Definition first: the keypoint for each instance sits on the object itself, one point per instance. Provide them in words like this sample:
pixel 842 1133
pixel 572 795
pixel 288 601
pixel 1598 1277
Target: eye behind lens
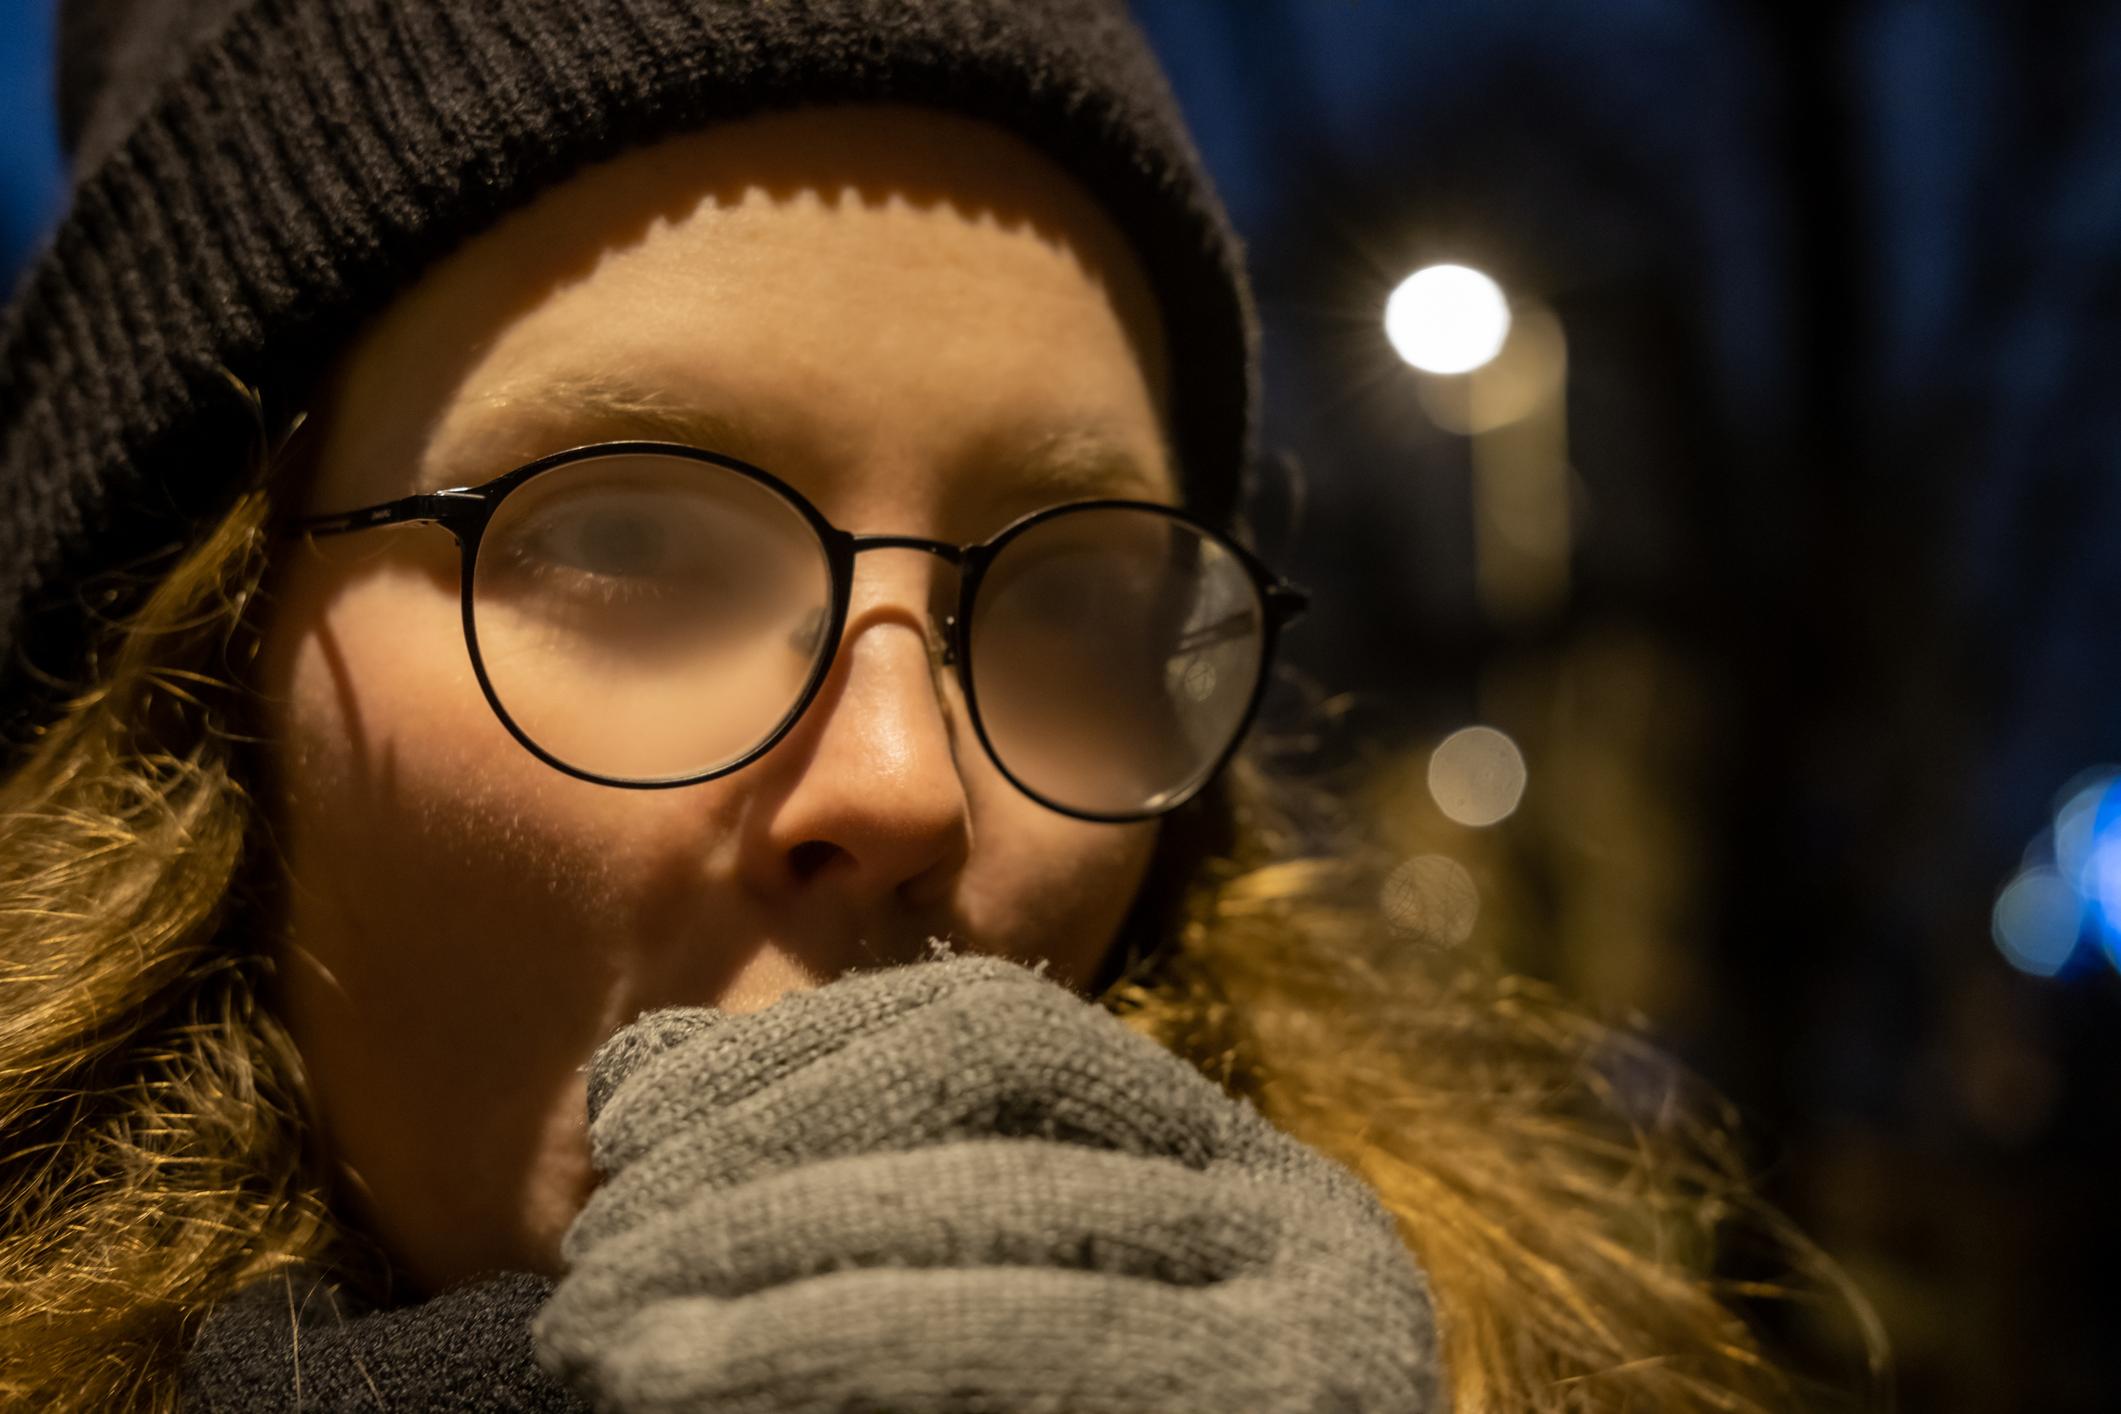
pixel 1116 654
pixel 648 618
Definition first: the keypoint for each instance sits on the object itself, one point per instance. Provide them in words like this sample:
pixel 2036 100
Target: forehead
pixel 855 298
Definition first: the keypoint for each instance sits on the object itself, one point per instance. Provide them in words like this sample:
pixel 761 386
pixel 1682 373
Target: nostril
pixel 810 856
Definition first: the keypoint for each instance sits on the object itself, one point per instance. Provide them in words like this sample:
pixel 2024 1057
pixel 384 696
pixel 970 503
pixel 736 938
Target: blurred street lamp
pixel 1497 374
pixel 1447 319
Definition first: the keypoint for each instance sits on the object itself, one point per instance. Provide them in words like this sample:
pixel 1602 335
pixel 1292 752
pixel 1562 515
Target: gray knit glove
pixel 956 1186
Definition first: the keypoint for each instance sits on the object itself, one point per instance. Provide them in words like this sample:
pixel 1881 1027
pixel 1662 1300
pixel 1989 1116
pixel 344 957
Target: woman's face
pixel 924 327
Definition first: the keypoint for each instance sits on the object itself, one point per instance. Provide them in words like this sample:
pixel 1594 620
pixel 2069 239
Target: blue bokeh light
pixel 2069 893
pixel 2099 881
pixel 2038 922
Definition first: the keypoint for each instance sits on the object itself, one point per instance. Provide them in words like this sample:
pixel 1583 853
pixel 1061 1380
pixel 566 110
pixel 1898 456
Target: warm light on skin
pixel 873 301
pixel 1447 319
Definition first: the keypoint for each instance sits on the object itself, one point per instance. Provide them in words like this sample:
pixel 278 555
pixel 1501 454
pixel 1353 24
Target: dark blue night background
pixel 1841 290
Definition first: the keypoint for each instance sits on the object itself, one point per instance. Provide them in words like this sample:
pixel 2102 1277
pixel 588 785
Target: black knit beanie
pixel 253 178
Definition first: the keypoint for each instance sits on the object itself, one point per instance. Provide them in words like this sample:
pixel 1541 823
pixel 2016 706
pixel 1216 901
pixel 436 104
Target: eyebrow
pixel 524 409
pixel 1049 461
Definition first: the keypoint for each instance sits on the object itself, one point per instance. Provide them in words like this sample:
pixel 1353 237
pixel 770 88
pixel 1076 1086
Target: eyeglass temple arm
pixel 434 506
pixel 1286 601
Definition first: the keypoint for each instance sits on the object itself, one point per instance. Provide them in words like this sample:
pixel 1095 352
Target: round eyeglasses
pixel 647 614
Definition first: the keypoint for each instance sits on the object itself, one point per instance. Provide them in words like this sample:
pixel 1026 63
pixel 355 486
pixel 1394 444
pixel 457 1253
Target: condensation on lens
pixel 644 617
pixel 1114 652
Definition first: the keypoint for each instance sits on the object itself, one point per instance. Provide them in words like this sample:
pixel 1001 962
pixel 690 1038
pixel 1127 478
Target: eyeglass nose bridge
pixel 956 554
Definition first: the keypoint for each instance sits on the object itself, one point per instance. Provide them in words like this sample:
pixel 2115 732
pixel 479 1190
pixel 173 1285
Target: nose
pixel 864 795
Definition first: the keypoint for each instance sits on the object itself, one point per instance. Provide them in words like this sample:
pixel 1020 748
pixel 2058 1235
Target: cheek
pixel 388 756
pixel 1048 886
pixel 443 873
pixel 433 965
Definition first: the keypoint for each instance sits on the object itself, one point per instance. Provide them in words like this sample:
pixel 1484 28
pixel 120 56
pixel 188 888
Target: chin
pixel 550 1198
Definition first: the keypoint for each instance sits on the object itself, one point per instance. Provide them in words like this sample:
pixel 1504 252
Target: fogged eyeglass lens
pixel 645 617
pixel 1114 653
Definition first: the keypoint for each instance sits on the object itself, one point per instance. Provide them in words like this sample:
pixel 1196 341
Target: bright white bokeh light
pixel 2036 922
pixel 1476 775
pixel 1447 319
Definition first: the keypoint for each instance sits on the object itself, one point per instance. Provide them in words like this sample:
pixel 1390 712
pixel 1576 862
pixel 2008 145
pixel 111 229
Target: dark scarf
pixel 295 1340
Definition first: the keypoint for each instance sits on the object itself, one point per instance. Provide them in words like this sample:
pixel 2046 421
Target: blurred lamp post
pixel 1497 376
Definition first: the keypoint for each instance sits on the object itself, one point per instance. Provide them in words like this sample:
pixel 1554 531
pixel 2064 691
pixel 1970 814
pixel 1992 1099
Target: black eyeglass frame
pixel 466 511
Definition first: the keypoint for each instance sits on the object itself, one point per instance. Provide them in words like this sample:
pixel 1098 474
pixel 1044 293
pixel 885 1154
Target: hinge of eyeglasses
pixel 409 510
pixel 430 506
